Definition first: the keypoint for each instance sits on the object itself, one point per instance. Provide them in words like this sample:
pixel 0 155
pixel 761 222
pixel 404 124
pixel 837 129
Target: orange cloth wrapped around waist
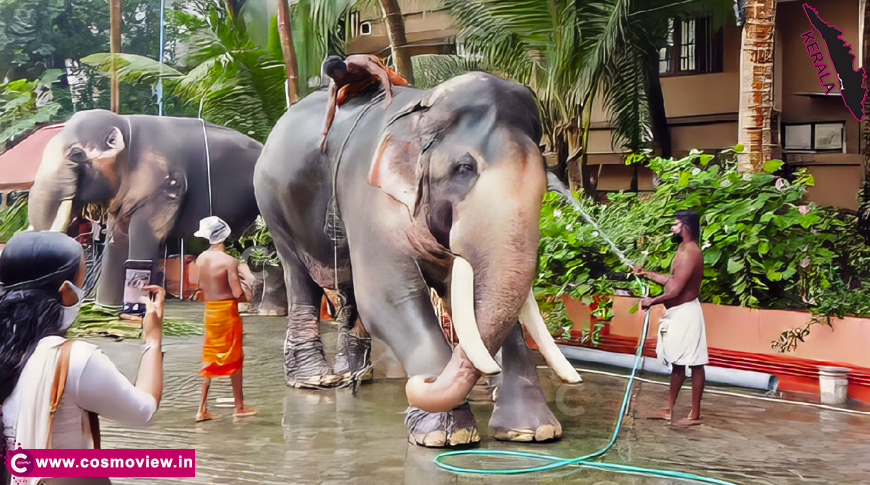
pixel 222 349
pixel 348 91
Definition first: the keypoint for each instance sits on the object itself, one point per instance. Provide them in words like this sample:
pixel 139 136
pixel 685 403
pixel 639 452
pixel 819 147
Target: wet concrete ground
pixel 333 436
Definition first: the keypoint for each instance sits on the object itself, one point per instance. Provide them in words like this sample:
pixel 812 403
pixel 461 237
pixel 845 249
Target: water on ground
pixel 334 436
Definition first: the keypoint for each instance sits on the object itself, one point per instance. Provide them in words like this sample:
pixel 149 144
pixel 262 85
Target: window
pixel 691 47
pixel 814 136
pixel 365 28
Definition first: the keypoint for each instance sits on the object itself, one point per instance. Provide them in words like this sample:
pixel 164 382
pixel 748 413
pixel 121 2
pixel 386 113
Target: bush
pixel 764 247
pixel 13 219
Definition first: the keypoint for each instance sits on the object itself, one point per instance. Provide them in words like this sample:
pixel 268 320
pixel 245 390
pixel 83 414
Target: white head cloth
pixel 214 229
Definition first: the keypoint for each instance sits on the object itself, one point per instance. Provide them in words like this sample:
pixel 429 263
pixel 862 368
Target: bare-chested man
pixel 221 289
pixel 682 340
pixel 352 75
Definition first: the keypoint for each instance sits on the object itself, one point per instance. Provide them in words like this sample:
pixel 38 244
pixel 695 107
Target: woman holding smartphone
pixel 40 278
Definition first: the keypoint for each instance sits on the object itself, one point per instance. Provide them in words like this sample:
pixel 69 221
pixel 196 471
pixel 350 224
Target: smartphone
pixel 137 277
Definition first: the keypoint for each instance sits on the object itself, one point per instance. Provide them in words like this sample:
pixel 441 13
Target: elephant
pixel 158 177
pixel 442 190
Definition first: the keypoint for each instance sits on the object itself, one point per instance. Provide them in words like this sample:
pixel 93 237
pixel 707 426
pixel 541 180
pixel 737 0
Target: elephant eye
pixel 463 166
pixel 112 140
pixel 77 155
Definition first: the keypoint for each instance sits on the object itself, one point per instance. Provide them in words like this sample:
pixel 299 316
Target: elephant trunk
pixel 46 211
pixel 49 205
pixel 498 237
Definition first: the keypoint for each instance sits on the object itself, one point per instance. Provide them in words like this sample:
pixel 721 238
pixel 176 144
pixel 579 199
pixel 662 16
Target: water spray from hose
pixel 556 185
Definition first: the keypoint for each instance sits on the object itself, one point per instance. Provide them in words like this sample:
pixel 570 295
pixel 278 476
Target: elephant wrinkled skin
pixel 158 175
pixel 442 190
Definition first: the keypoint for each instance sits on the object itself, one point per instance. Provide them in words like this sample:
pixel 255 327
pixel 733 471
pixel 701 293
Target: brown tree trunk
pixel 656 99
pixel 231 8
pixel 398 43
pixel 864 14
pixel 287 49
pixel 756 85
pixel 114 48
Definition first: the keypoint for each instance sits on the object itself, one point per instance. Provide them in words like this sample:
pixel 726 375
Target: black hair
pixel 691 220
pixel 332 64
pixel 33 266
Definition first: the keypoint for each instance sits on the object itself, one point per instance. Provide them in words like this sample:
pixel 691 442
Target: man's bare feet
pixel 689 421
pixel 244 411
pixel 203 416
pixel 661 414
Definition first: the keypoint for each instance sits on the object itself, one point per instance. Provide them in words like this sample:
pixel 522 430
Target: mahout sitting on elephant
pixel 441 190
pixel 158 176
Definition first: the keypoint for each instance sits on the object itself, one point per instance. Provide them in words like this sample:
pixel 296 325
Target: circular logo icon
pixel 566 402
pixel 21 463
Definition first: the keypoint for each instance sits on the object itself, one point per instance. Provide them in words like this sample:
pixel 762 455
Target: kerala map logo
pixel 852 83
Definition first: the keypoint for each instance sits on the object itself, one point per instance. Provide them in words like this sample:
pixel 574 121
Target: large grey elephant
pixel 158 175
pixel 441 189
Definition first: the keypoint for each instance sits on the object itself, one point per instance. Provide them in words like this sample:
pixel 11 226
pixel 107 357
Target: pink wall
pixel 747 330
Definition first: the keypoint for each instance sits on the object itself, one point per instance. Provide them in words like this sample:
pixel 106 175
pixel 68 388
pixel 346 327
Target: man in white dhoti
pixel 681 338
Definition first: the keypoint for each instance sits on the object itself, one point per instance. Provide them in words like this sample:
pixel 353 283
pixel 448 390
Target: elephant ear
pixel 400 166
pixel 153 191
pixel 396 170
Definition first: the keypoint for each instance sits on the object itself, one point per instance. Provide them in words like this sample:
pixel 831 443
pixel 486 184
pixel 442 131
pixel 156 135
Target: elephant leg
pixel 144 244
pixel 394 303
pixel 353 355
pixel 305 364
pixel 110 288
pixel 521 412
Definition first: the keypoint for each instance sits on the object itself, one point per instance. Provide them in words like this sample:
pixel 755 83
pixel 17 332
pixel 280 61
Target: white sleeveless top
pixel 93 384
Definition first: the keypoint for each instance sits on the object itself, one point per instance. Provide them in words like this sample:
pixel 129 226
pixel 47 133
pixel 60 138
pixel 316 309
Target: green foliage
pixel 231 79
pixel 234 82
pixel 554 314
pixel 96 321
pixel 13 219
pixel 25 105
pixel 255 246
pixel 763 246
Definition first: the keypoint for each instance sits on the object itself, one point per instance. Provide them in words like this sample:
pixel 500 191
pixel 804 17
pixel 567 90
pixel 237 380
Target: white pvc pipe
pixel 719 375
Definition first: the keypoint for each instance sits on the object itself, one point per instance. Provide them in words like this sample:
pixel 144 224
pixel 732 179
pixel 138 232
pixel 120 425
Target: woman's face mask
pixel 70 313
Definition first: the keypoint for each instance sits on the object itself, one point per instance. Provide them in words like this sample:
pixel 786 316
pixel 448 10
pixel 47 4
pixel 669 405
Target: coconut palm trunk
pixel 756 84
pixel 864 13
pixel 287 50
pixel 114 48
pixel 398 43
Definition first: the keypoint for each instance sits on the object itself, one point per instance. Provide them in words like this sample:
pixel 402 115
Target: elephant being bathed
pixel 158 176
pixel 442 190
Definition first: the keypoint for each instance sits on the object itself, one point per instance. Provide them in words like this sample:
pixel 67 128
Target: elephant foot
pixel 353 359
pixel 524 416
pixel 305 366
pixel 439 430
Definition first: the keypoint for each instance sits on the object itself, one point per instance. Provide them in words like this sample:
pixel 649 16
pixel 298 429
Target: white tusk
pixel 61 220
pixel 531 317
pixel 464 322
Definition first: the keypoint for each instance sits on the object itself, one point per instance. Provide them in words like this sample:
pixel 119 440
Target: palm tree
pixel 398 43
pixel 756 84
pixel 234 82
pixel 572 54
pixel 287 50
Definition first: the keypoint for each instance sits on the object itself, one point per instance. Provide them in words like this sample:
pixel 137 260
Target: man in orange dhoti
pixel 352 75
pixel 222 350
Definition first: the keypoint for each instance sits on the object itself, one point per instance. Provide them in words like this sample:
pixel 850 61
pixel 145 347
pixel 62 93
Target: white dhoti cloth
pixel 682 339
